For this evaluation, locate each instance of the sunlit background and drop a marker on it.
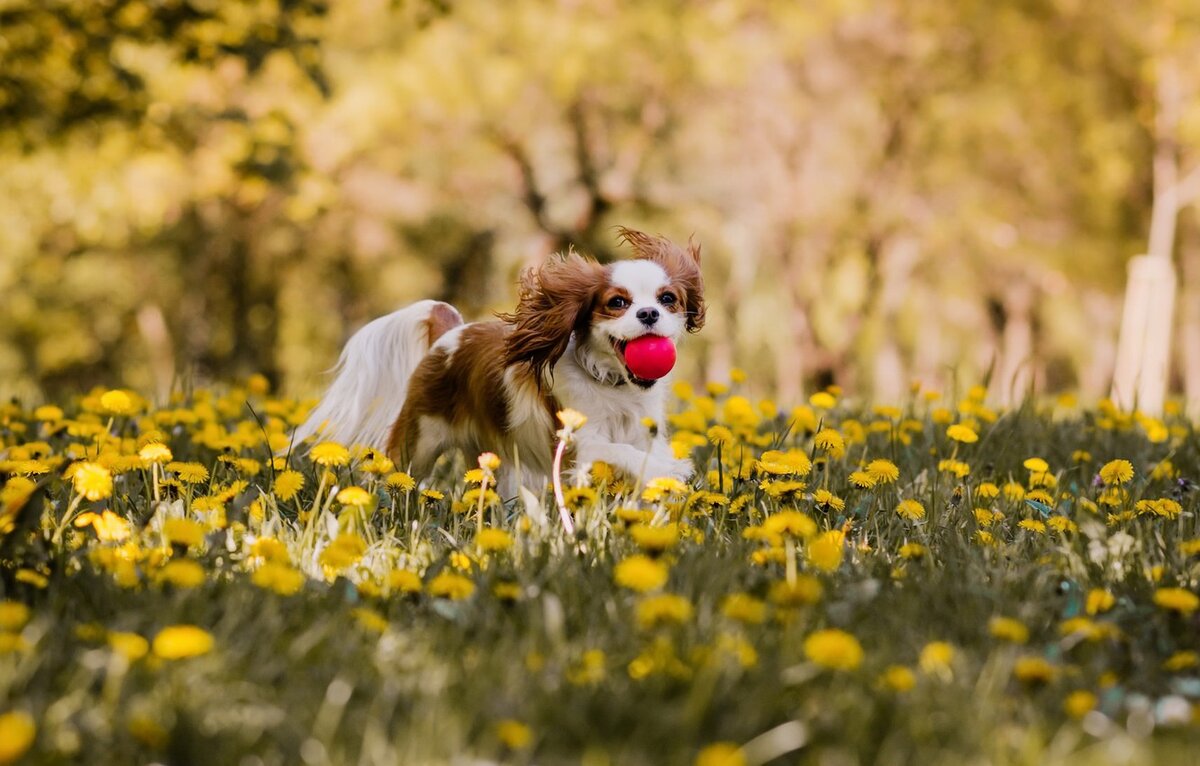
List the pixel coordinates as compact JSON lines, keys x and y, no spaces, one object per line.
{"x":886,"y":192}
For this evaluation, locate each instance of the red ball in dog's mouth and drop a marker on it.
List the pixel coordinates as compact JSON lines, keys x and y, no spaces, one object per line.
{"x":650,"y":357}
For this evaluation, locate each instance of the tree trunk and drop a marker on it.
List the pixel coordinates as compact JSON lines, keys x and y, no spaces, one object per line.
{"x":1189,"y":352}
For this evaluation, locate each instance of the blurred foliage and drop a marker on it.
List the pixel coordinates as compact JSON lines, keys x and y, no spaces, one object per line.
{"x":198,"y":189}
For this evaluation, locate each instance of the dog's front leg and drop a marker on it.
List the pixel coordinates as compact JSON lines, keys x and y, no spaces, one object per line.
{"x":632,"y":461}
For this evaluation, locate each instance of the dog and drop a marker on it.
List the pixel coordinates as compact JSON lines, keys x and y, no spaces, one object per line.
{"x":419,"y":382}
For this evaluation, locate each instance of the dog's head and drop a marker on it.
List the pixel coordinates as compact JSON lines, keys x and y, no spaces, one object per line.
{"x":659,"y":293}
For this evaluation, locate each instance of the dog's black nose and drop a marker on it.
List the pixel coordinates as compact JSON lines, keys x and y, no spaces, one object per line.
{"x":647,"y":316}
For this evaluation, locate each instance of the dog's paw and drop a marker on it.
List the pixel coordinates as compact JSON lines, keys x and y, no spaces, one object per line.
{"x":673,"y":469}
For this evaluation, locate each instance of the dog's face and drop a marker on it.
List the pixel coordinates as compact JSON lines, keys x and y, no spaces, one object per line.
{"x":638,"y":298}
{"x":605,"y":307}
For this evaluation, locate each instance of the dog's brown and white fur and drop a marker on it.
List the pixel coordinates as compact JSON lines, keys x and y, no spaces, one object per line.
{"x":419,"y":382}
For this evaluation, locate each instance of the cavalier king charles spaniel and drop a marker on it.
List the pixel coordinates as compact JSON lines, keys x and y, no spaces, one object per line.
{"x":420,"y":382}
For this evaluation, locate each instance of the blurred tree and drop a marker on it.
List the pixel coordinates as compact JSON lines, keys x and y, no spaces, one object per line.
{"x":882,"y":189}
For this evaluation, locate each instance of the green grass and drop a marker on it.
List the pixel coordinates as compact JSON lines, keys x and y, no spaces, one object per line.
{"x":554,"y":665}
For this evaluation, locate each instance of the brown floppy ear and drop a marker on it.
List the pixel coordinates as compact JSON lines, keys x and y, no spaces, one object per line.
{"x":682,"y":266}
{"x":556,"y":299}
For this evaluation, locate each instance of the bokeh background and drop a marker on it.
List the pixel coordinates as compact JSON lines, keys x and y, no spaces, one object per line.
{"x":885,"y":191}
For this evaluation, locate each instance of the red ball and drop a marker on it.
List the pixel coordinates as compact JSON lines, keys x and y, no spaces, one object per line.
{"x":650,"y":357}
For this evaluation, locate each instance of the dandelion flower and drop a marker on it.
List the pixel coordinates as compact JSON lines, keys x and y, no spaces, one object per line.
{"x":791,"y":523}
{"x":962,"y":433}
{"x":936,"y":657}
{"x":1034,"y":670}
{"x":898,"y":678}
{"x":1079,"y":703}
{"x":346,"y":549}
{"x":117,"y":402}
{"x":329,"y":454}
{"x":493,"y":540}
{"x":355,"y":497}
{"x":514,"y":734}
{"x":1177,"y":599}
{"x":1181,"y":661}
{"x":862,"y":479}
{"x":287,"y":484}
{"x":721,"y":754}
{"x":744,"y":608}
{"x":155,"y":452}
{"x":182,"y":573}
{"x":911,"y":510}
{"x":17,"y":732}
{"x":188,"y":473}
{"x":663,"y":609}
{"x":833,"y":649}
{"x":1036,"y":465}
{"x":656,"y":539}
{"x":404,"y":581}
{"x":825,"y":552}
{"x":178,"y":642}
{"x":13,"y":616}
{"x":184,"y":532}
{"x":883,"y":471}
{"x":641,"y":573}
{"x":572,"y":420}
{"x":823,"y":400}
{"x":453,"y":586}
{"x":1008,"y":629}
{"x":131,"y":646}
{"x":280,"y":577}
{"x":92,"y":480}
{"x":1116,"y":472}
{"x":401,"y":481}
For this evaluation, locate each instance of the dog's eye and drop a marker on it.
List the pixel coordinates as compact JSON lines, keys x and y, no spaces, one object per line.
{"x":617,"y":302}
{"x":667,"y":299}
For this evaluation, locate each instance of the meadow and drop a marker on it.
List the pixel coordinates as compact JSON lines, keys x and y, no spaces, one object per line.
{"x":938,"y":583}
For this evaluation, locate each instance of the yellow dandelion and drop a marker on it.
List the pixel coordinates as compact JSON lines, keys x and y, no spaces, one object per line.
{"x":17,"y":732}
{"x":1036,"y":465}
{"x":131,"y":646}
{"x":862,"y":479}
{"x":329,"y":454}
{"x":514,"y":734}
{"x":404,"y":581}
{"x":721,"y":754}
{"x":1079,"y":703}
{"x":641,"y":573}
{"x":1177,"y":600}
{"x":883,"y":471}
{"x":1116,"y":472}
{"x":960,"y":432}
{"x":937,"y":657}
{"x":155,"y":452}
{"x":825,"y":552}
{"x":656,"y":539}
{"x":823,"y":400}
{"x":117,"y":402}
{"x":178,"y":642}
{"x":911,"y":510}
{"x":185,"y":532}
{"x":1034,"y":670}
{"x":401,"y":481}
{"x":355,"y":497}
{"x":188,"y":473}
{"x":834,"y":649}
{"x":182,"y":573}
{"x":453,"y":586}
{"x":92,"y":480}
{"x":663,"y":609}
{"x":1008,"y":629}
{"x":493,"y":540}
{"x":287,"y":484}
{"x":278,"y":576}
{"x":13,"y":616}
{"x":898,"y":678}
{"x":744,"y":608}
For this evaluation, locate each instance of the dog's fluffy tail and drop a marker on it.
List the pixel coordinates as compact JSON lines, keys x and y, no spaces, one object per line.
{"x":372,"y":374}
